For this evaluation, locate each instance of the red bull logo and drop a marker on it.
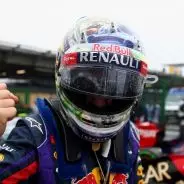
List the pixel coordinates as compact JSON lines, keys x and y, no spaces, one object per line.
{"x":112,"y":48}
{"x":120,"y":179}
{"x":89,"y":179}
{"x":95,"y":178}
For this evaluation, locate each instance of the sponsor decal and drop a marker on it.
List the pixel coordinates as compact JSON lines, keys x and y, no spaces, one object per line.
{"x":90,"y":178}
{"x":95,"y":178}
{"x":158,"y":174}
{"x":103,"y":58}
{"x":120,"y":179}
{"x":1,"y":157}
{"x":144,"y":68}
{"x":113,"y":59}
{"x":34,"y":123}
{"x":111,"y":48}
{"x":70,"y":59}
{"x":148,"y":133}
{"x":178,"y":161}
{"x":7,"y":148}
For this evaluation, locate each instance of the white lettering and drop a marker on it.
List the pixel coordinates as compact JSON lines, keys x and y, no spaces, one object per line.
{"x":93,"y":57}
{"x":159,"y":173}
{"x":131,"y":63}
{"x":83,"y":56}
{"x":151,"y":173}
{"x":162,"y":170}
{"x":114,"y":59}
{"x":137,"y":64}
{"x":147,"y":133}
{"x":124,"y":61}
{"x":7,"y":148}
{"x":104,"y":56}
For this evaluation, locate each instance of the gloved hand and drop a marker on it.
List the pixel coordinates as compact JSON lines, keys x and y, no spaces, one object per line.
{"x":7,"y":106}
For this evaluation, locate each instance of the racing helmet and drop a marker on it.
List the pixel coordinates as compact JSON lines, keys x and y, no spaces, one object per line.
{"x":100,"y":73}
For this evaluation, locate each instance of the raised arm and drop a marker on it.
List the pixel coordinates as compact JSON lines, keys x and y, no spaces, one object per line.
{"x":7,"y":106}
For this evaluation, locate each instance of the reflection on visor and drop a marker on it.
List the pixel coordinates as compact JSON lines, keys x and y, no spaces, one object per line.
{"x":105,"y":121}
{"x":103,"y":81}
{"x":99,"y":130}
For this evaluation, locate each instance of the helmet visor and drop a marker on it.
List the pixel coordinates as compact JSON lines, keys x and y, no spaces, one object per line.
{"x":104,"y":74}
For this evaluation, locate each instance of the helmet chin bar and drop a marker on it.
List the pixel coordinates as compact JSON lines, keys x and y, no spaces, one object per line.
{"x":90,"y":132}
{"x":87,"y":137}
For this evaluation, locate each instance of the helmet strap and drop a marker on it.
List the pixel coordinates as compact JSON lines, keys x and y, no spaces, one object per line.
{"x":72,"y":149}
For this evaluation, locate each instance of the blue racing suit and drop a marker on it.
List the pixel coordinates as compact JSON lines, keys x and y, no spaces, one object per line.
{"x":43,"y":149}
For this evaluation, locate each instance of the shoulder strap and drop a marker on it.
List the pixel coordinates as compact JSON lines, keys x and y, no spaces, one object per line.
{"x":50,"y":116}
{"x":120,"y":161}
{"x":125,"y":149}
{"x":120,"y":144}
{"x":134,"y":142}
{"x":73,"y":150}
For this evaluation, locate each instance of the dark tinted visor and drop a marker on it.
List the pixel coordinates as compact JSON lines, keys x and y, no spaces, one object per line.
{"x":103,"y":81}
{"x":91,"y":104}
